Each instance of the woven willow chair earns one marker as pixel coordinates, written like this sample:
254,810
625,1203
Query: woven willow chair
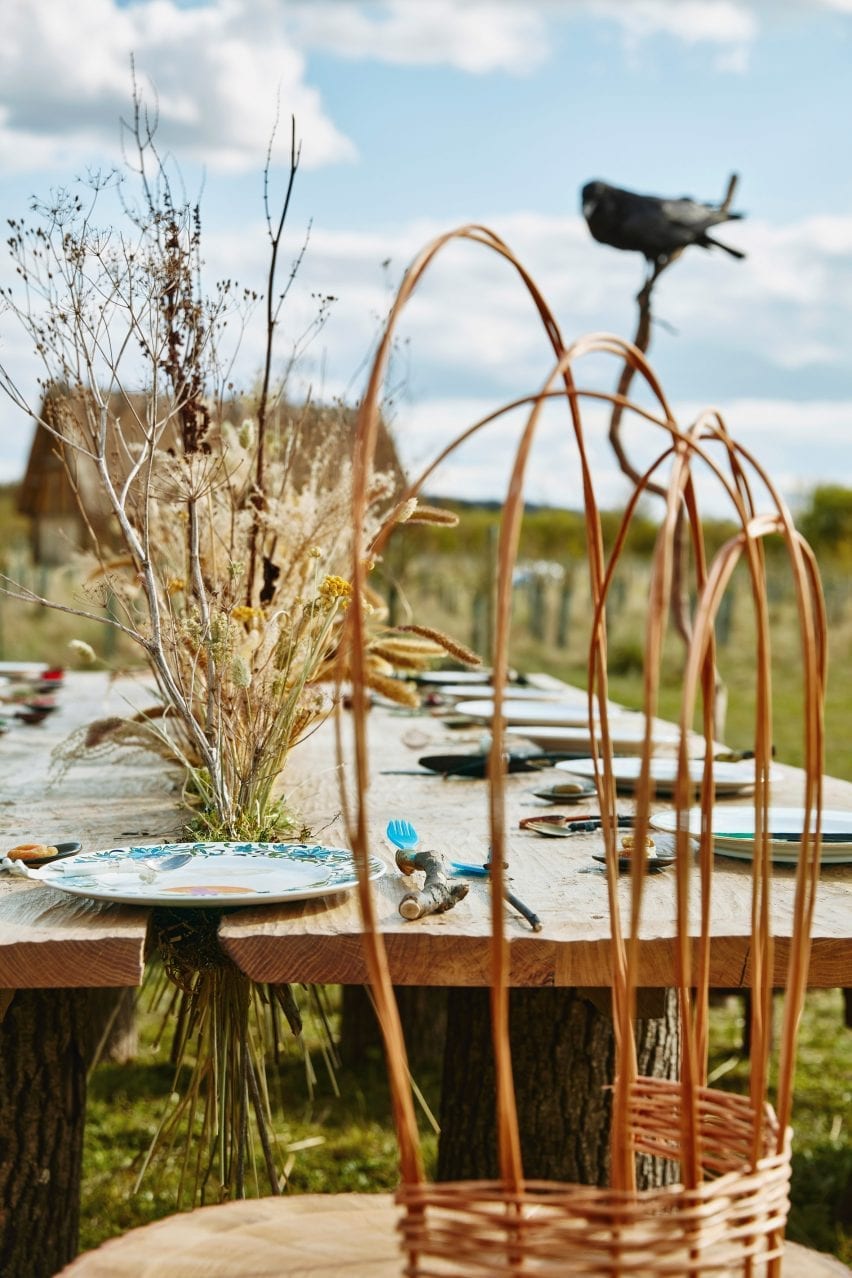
726,1213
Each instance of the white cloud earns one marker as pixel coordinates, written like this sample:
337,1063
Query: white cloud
791,299
690,21
727,24
510,35
217,70
472,35
772,430
219,67
471,339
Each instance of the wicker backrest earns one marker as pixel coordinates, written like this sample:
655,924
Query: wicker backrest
730,1204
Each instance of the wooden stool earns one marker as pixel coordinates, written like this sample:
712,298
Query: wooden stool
304,1236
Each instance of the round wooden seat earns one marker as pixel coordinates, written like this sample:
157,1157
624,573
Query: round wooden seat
305,1236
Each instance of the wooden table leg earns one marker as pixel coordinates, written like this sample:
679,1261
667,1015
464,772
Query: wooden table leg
47,1038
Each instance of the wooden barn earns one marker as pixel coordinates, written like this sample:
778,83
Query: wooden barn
61,492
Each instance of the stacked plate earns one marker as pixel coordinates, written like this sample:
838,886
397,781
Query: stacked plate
627,734
452,676
512,692
728,778
733,831
532,712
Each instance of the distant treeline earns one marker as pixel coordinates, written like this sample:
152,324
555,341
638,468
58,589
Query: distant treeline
824,519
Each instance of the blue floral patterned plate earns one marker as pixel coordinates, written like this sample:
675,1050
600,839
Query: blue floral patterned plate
187,874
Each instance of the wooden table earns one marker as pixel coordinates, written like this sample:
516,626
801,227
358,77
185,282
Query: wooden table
51,941
321,941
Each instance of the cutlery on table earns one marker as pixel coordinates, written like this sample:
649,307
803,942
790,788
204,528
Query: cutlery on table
476,765
437,894
484,872
404,836
146,867
558,826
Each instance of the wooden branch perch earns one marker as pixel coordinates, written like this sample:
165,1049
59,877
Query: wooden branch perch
438,894
680,609
729,194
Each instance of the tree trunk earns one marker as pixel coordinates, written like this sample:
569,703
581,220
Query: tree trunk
563,1054
45,1047
422,1010
115,1035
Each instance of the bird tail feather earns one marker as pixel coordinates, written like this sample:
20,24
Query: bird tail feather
708,239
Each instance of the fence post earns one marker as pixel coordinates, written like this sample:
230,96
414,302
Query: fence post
563,610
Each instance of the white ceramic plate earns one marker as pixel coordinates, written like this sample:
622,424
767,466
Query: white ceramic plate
208,874
514,692
733,832
728,778
543,714
626,736
453,676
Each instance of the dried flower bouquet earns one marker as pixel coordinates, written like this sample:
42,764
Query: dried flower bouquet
220,537
219,530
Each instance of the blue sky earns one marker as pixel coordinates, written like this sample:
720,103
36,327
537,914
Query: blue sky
418,115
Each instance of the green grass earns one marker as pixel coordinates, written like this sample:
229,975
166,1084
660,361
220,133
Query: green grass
338,1143
332,1129
821,1212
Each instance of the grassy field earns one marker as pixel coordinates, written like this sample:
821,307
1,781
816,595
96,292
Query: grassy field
337,1135
550,632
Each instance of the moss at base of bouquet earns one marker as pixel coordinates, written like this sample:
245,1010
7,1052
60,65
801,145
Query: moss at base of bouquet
275,823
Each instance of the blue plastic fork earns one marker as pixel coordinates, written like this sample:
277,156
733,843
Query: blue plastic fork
402,834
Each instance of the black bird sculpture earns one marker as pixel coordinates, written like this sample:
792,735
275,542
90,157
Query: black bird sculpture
659,228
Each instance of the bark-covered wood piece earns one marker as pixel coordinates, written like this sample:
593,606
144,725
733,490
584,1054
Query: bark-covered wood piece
563,1052
114,1015
438,894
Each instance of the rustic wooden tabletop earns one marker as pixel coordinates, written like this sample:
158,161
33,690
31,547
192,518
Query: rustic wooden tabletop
48,939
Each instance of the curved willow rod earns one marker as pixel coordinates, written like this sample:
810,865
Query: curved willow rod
685,447
701,662
509,1141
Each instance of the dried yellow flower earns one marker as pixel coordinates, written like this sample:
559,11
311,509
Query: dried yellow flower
175,585
243,612
333,588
